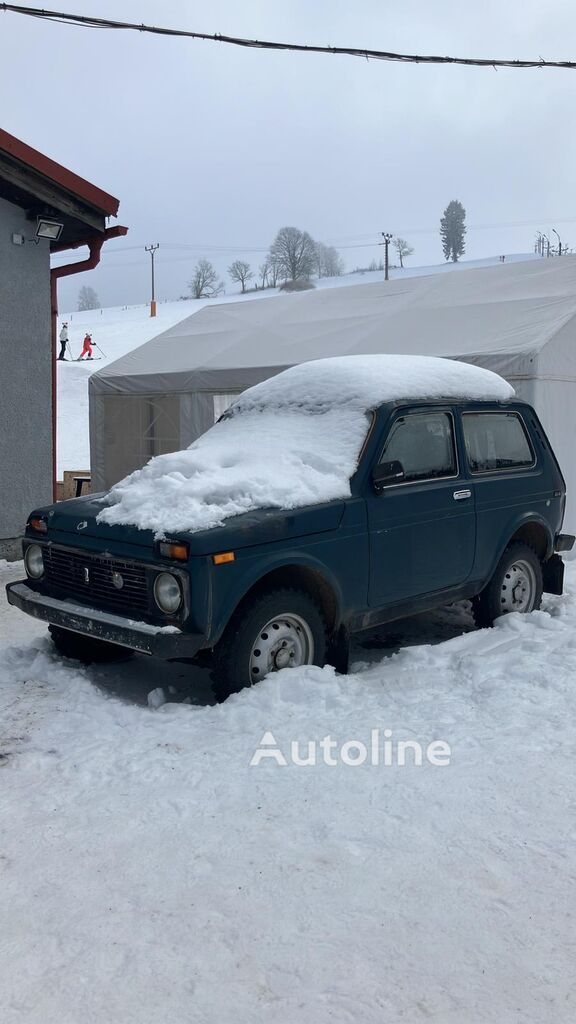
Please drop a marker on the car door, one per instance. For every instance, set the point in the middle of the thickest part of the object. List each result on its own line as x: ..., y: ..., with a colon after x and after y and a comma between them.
x: 422, y: 528
x: 507, y: 477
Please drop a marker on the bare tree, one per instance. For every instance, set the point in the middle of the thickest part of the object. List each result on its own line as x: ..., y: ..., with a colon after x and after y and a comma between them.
x: 263, y: 274
x: 88, y: 299
x: 205, y: 283
x: 274, y: 270
x: 329, y: 262
x: 403, y: 249
x: 240, y: 271
x: 295, y: 252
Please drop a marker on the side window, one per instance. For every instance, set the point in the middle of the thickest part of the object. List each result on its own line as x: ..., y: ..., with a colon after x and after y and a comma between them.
x: 423, y: 442
x: 496, y: 440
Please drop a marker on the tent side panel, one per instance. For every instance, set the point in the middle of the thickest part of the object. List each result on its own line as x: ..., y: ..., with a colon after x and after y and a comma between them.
x: 555, y: 402
x: 97, y: 455
x: 128, y: 430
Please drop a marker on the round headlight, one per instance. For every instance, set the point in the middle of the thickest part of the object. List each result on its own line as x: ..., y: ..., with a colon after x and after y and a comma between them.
x: 167, y: 593
x: 33, y: 561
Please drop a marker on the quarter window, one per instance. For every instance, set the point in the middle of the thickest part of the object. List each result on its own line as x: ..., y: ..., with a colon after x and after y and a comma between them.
x: 496, y: 441
x: 424, y: 444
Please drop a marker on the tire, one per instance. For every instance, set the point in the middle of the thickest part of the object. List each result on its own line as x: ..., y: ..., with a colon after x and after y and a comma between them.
x: 516, y: 586
x: 86, y: 648
x: 279, y: 629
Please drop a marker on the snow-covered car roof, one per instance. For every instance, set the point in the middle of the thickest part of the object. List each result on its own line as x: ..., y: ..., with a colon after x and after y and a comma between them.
x: 293, y: 440
x: 366, y: 382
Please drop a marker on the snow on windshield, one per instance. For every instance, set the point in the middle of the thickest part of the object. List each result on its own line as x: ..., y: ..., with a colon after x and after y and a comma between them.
x: 291, y: 441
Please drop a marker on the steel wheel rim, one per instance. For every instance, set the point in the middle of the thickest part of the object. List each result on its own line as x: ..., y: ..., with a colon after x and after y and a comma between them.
x: 285, y: 641
x: 518, y: 590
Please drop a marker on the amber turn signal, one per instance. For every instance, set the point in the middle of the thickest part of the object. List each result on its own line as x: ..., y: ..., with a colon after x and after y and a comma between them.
x: 177, y: 551
x: 224, y: 556
x: 38, y: 524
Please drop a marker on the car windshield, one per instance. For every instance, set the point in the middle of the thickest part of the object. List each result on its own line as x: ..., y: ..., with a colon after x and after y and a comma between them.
x: 257, y: 459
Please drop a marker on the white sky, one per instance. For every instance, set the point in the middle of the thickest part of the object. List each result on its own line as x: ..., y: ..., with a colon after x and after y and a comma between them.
x: 218, y: 147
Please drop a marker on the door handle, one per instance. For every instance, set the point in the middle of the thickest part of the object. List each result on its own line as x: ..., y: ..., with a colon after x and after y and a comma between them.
x: 461, y: 495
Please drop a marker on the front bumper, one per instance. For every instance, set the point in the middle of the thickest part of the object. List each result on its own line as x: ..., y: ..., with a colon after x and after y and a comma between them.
x: 165, y: 642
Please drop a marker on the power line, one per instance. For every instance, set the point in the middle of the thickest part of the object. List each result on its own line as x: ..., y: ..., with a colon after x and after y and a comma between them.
x: 188, y: 250
x: 87, y: 21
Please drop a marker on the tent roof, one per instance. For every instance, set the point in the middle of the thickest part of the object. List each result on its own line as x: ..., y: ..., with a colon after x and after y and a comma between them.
x: 507, y: 316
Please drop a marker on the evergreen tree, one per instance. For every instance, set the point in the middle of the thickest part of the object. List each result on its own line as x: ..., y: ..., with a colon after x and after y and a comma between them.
x: 452, y: 230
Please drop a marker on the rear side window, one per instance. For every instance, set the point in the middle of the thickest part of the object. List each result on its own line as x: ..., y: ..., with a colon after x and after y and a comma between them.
x: 423, y: 442
x: 496, y: 441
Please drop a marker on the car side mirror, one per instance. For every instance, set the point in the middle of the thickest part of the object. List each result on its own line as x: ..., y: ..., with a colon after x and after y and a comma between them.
x: 386, y: 473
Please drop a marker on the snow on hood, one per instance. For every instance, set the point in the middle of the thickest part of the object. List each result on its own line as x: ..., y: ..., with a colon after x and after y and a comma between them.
x: 291, y: 441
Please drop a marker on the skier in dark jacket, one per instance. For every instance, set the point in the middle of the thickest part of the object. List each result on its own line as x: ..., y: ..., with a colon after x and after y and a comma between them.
x: 63, y: 341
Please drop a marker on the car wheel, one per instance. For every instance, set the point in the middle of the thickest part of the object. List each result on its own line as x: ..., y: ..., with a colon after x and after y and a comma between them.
x: 86, y: 648
x: 516, y: 586
x: 281, y: 629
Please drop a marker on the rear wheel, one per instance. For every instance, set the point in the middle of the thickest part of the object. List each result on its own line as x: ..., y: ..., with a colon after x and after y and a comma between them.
x: 86, y: 648
x: 516, y: 586
x: 281, y: 629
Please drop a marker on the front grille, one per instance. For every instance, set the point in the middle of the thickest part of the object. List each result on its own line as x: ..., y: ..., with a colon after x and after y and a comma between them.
x: 89, y: 578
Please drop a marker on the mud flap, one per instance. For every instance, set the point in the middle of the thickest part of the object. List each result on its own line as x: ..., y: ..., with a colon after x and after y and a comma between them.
x: 338, y: 654
x: 553, y: 575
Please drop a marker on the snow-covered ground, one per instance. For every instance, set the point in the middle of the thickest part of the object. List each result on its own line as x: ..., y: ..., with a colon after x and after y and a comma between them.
x: 118, y: 330
x: 151, y: 876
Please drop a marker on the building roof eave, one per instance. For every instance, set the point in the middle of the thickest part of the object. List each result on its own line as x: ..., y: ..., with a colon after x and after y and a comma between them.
x: 22, y: 154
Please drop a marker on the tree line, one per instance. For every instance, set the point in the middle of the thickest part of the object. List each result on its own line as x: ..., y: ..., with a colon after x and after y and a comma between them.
x: 294, y: 255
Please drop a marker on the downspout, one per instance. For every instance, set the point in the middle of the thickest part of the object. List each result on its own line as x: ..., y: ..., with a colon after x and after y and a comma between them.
x: 94, y: 245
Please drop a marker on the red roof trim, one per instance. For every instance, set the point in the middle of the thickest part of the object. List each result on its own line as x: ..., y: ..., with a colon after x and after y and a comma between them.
x: 58, y: 174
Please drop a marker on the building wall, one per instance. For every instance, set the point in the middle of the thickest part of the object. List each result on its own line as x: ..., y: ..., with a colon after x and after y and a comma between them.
x: 25, y: 376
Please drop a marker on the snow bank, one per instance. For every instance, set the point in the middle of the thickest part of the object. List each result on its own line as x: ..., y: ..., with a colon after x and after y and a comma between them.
x: 291, y: 441
x: 151, y: 876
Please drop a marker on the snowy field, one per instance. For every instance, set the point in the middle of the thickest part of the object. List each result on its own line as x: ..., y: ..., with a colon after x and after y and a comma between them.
x: 117, y: 331
x: 151, y: 876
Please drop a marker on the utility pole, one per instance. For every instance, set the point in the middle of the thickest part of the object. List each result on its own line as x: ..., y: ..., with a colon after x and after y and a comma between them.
x: 559, y: 242
x: 387, y: 239
x: 152, y: 249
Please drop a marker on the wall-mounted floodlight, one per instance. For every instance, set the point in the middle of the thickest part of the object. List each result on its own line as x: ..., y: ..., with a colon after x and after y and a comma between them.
x: 47, y: 228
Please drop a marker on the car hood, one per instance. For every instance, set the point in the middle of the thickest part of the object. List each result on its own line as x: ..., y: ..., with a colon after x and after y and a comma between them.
x: 78, y: 517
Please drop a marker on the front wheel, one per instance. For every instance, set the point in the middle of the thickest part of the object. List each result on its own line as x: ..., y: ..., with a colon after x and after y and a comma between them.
x: 516, y: 586
x: 282, y: 629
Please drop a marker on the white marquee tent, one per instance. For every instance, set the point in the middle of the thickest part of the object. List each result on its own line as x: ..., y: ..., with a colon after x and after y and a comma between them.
x: 518, y: 319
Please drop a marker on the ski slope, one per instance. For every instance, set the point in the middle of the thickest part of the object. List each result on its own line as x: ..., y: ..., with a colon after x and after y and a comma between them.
x: 150, y: 875
x: 118, y: 330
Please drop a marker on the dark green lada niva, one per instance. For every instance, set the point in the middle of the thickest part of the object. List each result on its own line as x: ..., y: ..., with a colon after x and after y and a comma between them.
x: 449, y: 497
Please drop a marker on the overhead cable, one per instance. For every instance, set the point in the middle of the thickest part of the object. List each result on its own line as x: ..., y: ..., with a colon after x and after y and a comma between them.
x: 365, y: 53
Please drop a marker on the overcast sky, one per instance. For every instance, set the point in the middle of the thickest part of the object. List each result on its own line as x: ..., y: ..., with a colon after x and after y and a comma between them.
x: 217, y: 147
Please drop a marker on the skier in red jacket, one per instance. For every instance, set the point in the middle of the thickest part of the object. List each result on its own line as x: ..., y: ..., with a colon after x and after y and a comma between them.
x: 87, y: 349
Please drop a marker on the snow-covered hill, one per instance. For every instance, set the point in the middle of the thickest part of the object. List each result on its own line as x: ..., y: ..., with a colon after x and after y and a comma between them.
x: 120, y: 329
